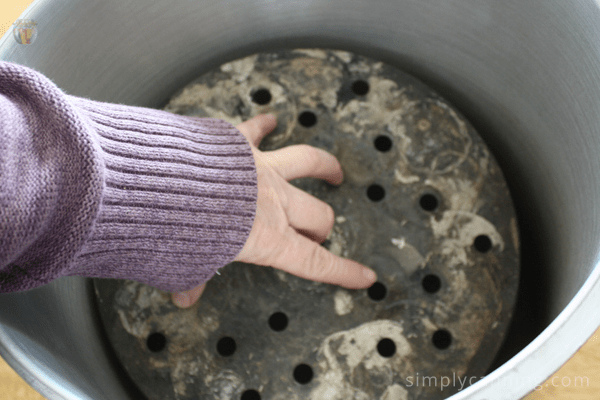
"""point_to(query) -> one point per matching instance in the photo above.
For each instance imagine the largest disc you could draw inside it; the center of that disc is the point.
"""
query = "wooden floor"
(13, 387)
(570, 381)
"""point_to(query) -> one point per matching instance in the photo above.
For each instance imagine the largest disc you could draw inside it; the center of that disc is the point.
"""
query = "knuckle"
(322, 264)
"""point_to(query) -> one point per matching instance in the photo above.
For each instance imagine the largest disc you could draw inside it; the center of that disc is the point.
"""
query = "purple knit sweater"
(113, 191)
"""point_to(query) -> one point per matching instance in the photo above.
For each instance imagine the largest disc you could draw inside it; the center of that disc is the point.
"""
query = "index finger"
(306, 259)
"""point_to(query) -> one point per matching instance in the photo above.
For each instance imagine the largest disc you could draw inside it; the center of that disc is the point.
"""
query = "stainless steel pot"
(526, 74)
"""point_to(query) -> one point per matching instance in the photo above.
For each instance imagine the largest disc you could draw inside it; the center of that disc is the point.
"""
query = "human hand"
(289, 222)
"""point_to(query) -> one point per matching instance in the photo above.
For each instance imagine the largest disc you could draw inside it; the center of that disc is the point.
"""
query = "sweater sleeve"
(106, 190)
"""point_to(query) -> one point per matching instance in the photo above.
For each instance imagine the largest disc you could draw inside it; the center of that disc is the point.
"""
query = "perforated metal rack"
(423, 203)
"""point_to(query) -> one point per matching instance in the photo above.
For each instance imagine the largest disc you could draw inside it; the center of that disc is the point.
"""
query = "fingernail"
(370, 274)
(181, 300)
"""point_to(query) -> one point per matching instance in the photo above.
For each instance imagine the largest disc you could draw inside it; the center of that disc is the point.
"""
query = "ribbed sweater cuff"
(179, 197)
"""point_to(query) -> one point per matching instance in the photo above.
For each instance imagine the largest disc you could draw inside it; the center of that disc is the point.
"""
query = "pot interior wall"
(526, 76)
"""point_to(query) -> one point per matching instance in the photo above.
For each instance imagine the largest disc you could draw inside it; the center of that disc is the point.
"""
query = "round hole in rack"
(482, 243)
(428, 202)
(360, 87)
(442, 339)
(156, 342)
(383, 143)
(307, 119)
(261, 97)
(431, 283)
(278, 321)
(377, 291)
(250, 394)
(386, 347)
(226, 346)
(303, 374)
(375, 192)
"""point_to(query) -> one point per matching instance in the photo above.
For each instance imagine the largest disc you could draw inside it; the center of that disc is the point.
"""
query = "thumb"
(305, 258)
(187, 298)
